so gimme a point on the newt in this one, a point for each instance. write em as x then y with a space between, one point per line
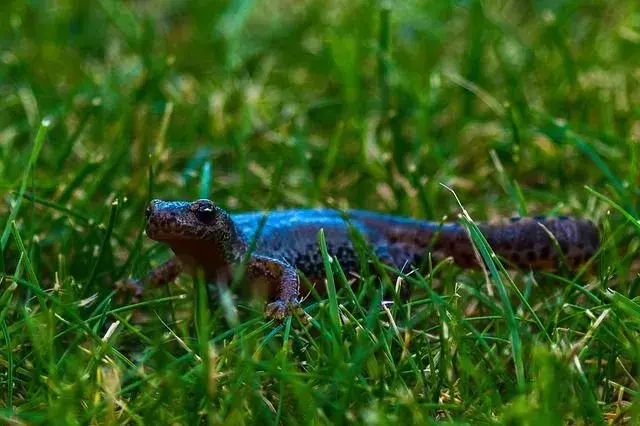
203 235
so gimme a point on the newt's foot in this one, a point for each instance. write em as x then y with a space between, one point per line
280 309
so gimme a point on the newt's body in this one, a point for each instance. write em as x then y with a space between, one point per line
202 235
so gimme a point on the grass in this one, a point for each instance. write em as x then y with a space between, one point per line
519 107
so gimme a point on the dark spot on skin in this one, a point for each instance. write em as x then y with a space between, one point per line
531 255
593 237
563 217
515 256
540 218
515 219
580 246
467 258
544 252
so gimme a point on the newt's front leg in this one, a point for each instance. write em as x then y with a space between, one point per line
282 282
158 276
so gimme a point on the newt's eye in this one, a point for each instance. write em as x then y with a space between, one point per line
147 212
205 215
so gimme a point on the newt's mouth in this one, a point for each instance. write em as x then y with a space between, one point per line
170 231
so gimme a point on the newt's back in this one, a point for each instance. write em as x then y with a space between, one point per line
291 235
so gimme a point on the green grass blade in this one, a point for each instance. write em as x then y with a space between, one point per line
490 260
10 368
17 202
25 258
204 189
105 243
508 185
635 222
285 347
332 297
628 306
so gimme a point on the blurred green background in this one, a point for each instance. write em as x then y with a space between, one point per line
516 105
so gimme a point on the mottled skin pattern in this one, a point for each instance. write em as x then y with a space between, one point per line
202 235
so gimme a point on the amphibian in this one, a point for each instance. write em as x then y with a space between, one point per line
203 235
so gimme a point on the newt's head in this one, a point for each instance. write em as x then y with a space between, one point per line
193 226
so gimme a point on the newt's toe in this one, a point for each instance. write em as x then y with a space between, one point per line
280 309
275 310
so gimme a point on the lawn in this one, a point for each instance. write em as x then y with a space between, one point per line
520 108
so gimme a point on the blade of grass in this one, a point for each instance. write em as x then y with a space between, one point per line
635 222
134 252
201 321
490 260
590 152
10 366
628 306
508 186
329 161
6 298
15 208
27 261
103 246
334 313
565 133
205 180
285 347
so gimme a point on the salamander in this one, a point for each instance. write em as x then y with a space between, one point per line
204 236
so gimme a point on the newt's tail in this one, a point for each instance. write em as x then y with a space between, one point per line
529 242
524 242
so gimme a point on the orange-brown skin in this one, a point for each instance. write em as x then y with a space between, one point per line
203 235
